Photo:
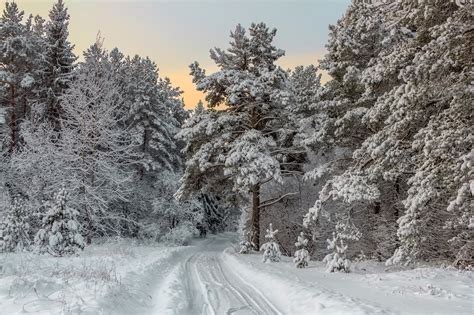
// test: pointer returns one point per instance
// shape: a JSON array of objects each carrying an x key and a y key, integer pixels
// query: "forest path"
[
  {"x": 209, "y": 277},
  {"x": 203, "y": 283}
]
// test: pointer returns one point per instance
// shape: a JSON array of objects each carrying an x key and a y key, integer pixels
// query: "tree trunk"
[
  {"x": 13, "y": 121},
  {"x": 90, "y": 226},
  {"x": 255, "y": 230},
  {"x": 144, "y": 149}
]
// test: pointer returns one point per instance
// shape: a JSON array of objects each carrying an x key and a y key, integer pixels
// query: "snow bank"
[
  {"x": 291, "y": 295},
  {"x": 96, "y": 280},
  {"x": 370, "y": 289}
]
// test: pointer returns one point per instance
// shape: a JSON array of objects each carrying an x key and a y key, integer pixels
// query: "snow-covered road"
[
  {"x": 204, "y": 283},
  {"x": 210, "y": 278}
]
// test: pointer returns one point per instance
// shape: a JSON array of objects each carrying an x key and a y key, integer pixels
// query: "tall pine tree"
[
  {"x": 58, "y": 65},
  {"x": 245, "y": 140},
  {"x": 21, "y": 51}
]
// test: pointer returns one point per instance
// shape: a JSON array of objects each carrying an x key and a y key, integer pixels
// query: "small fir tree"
[
  {"x": 14, "y": 229},
  {"x": 271, "y": 250},
  {"x": 59, "y": 235},
  {"x": 246, "y": 245},
  {"x": 337, "y": 260},
  {"x": 301, "y": 259}
]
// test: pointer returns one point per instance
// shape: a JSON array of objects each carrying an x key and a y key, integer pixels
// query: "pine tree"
[
  {"x": 154, "y": 115},
  {"x": 215, "y": 214},
  {"x": 199, "y": 108},
  {"x": 333, "y": 124},
  {"x": 21, "y": 52},
  {"x": 337, "y": 260},
  {"x": 60, "y": 233},
  {"x": 397, "y": 108},
  {"x": 306, "y": 92},
  {"x": 57, "y": 67},
  {"x": 14, "y": 228},
  {"x": 435, "y": 119},
  {"x": 302, "y": 257},
  {"x": 271, "y": 249},
  {"x": 250, "y": 142},
  {"x": 246, "y": 247}
]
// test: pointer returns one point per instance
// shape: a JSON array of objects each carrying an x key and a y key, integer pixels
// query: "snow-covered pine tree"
[
  {"x": 214, "y": 213},
  {"x": 57, "y": 66},
  {"x": 345, "y": 231},
  {"x": 271, "y": 249},
  {"x": 153, "y": 113},
  {"x": 334, "y": 125},
  {"x": 306, "y": 93},
  {"x": 337, "y": 261},
  {"x": 14, "y": 228},
  {"x": 302, "y": 257},
  {"x": 21, "y": 51},
  {"x": 199, "y": 108},
  {"x": 433, "y": 118},
  {"x": 246, "y": 247},
  {"x": 245, "y": 140},
  {"x": 353, "y": 41},
  {"x": 418, "y": 127},
  {"x": 153, "y": 106},
  {"x": 60, "y": 233}
]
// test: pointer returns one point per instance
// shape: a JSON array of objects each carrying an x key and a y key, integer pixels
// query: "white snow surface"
[
  {"x": 209, "y": 277},
  {"x": 108, "y": 278}
]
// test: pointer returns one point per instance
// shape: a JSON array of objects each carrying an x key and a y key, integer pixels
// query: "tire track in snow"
[
  {"x": 208, "y": 286},
  {"x": 264, "y": 304}
]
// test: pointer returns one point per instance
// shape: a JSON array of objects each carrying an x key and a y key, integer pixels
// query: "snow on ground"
[
  {"x": 369, "y": 289},
  {"x": 210, "y": 278},
  {"x": 203, "y": 283},
  {"x": 107, "y": 277},
  {"x": 123, "y": 277}
]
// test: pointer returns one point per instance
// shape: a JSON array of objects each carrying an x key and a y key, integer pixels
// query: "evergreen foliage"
[{"x": 60, "y": 232}]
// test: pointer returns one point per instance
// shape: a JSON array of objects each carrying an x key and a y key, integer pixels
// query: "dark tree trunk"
[
  {"x": 13, "y": 121},
  {"x": 255, "y": 230},
  {"x": 90, "y": 227},
  {"x": 377, "y": 207},
  {"x": 144, "y": 149}
]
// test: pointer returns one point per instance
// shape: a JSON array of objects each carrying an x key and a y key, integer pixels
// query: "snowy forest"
[{"x": 374, "y": 166}]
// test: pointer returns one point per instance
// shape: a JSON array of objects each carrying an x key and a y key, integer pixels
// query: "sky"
[{"x": 174, "y": 33}]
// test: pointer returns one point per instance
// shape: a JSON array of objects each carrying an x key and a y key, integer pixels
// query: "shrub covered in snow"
[
  {"x": 246, "y": 244},
  {"x": 60, "y": 232},
  {"x": 181, "y": 234},
  {"x": 246, "y": 247},
  {"x": 14, "y": 229},
  {"x": 301, "y": 259},
  {"x": 271, "y": 250}
]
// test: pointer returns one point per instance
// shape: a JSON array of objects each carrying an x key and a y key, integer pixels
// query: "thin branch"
[{"x": 275, "y": 200}]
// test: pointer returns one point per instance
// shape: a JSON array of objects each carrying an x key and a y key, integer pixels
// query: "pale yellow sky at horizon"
[
  {"x": 192, "y": 96},
  {"x": 176, "y": 34}
]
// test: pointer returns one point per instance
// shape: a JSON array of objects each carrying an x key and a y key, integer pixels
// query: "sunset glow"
[{"x": 175, "y": 33}]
